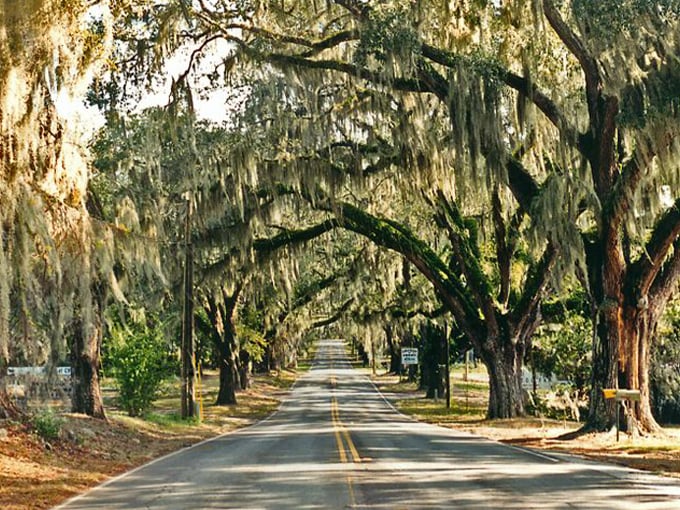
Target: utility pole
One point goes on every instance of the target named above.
(373, 356)
(187, 353)
(447, 351)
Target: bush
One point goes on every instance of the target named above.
(140, 362)
(47, 424)
(566, 351)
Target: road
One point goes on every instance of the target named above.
(336, 443)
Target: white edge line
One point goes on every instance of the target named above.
(411, 418)
(109, 481)
(530, 451)
(611, 470)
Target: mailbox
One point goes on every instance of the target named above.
(621, 394)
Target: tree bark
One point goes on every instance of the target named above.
(229, 377)
(432, 375)
(395, 354)
(503, 360)
(221, 316)
(244, 369)
(85, 359)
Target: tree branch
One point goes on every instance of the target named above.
(396, 237)
(666, 281)
(503, 253)
(523, 186)
(666, 232)
(520, 84)
(293, 236)
(335, 317)
(448, 216)
(402, 84)
(577, 48)
(525, 313)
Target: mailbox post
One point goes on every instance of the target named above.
(619, 396)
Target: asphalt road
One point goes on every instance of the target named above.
(336, 443)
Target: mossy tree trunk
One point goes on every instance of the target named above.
(628, 292)
(220, 312)
(86, 395)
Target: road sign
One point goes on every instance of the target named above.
(409, 356)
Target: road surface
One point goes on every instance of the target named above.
(335, 443)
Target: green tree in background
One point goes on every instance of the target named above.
(140, 361)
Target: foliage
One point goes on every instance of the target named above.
(140, 362)
(387, 34)
(608, 19)
(249, 331)
(47, 424)
(665, 371)
(565, 350)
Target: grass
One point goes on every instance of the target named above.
(658, 454)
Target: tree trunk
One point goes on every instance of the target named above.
(244, 369)
(503, 360)
(229, 377)
(638, 328)
(624, 327)
(395, 352)
(85, 357)
(432, 375)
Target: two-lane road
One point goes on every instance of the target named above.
(336, 443)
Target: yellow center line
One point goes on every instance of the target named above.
(341, 431)
(336, 431)
(350, 487)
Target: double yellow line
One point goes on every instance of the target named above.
(342, 433)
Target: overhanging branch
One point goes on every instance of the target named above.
(288, 237)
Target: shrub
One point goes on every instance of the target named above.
(566, 351)
(140, 362)
(47, 424)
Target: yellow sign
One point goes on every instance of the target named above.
(609, 392)
(621, 394)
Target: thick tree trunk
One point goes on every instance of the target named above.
(638, 328)
(503, 360)
(85, 357)
(624, 327)
(432, 375)
(229, 377)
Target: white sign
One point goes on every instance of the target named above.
(35, 371)
(409, 356)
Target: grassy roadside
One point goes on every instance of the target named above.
(38, 474)
(658, 453)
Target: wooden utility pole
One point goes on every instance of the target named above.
(447, 353)
(188, 366)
